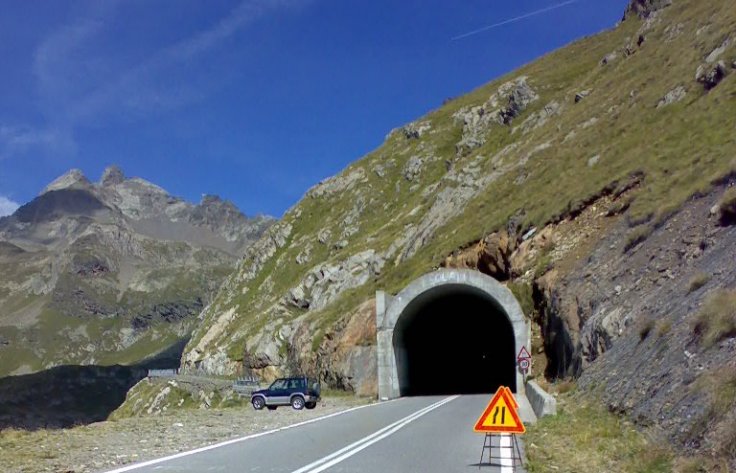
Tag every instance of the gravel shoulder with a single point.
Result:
(105, 445)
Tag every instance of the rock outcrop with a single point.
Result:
(645, 8)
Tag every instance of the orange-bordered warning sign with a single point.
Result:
(511, 395)
(501, 415)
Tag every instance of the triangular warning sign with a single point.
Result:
(511, 395)
(500, 416)
(523, 354)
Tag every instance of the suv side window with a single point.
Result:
(278, 384)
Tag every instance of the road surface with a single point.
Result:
(418, 434)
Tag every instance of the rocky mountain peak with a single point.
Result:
(113, 175)
(73, 178)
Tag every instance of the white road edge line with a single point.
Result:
(156, 461)
(347, 452)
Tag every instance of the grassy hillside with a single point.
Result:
(598, 115)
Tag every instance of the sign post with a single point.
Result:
(524, 361)
(500, 418)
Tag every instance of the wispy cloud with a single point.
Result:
(515, 19)
(80, 83)
(7, 206)
(22, 139)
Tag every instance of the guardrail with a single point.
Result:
(245, 386)
(163, 373)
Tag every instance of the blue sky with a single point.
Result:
(253, 100)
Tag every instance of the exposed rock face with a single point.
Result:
(112, 266)
(635, 313)
(491, 256)
(416, 130)
(501, 108)
(645, 8)
(112, 176)
(73, 179)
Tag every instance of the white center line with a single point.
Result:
(157, 461)
(355, 447)
(504, 446)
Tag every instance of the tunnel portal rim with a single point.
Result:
(388, 379)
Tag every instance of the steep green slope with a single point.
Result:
(620, 107)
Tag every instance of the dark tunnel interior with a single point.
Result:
(454, 340)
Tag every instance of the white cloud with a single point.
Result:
(7, 206)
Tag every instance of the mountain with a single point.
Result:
(110, 272)
(592, 181)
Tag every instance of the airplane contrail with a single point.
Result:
(513, 20)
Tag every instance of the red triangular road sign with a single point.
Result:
(511, 395)
(500, 416)
(523, 354)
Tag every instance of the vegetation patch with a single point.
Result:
(727, 207)
(719, 418)
(585, 437)
(698, 281)
(717, 318)
(637, 235)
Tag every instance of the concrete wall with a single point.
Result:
(542, 402)
(390, 309)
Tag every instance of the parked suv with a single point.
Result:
(298, 392)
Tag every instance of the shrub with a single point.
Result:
(727, 207)
(645, 329)
(717, 318)
(698, 281)
(637, 235)
(663, 327)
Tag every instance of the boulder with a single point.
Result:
(413, 168)
(414, 131)
(711, 76)
(673, 96)
(580, 96)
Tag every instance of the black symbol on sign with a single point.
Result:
(503, 415)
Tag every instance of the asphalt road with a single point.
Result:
(420, 434)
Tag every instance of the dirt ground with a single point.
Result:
(106, 445)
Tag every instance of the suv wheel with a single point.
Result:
(310, 405)
(258, 403)
(297, 402)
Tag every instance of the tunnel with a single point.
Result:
(449, 332)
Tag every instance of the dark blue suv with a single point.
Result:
(298, 392)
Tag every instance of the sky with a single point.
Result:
(253, 100)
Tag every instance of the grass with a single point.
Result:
(727, 206)
(585, 437)
(662, 147)
(663, 327)
(697, 281)
(719, 387)
(637, 235)
(645, 328)
(716, 320)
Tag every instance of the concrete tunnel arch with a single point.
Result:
(444, 314)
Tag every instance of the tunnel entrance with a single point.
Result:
(454, 340)
(449, 332)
